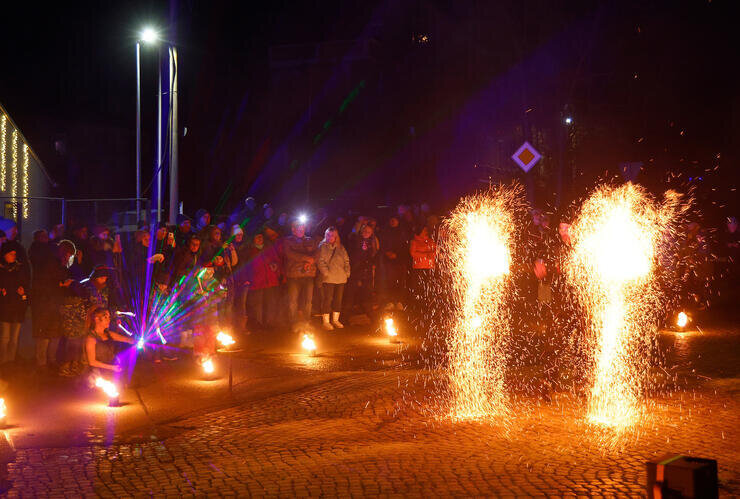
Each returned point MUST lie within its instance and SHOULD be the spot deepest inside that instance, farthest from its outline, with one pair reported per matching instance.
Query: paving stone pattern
(364, 435)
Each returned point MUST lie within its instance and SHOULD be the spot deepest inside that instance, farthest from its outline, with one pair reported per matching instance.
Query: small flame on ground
(682, 319)
(208, 366)
(225, 339)
(308, 343)
(108, 387)
(390, 327)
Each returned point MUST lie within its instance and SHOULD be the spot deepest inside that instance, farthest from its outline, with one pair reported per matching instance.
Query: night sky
(410, 120)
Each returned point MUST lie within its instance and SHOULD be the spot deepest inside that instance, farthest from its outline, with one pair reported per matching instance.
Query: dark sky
(636, 74)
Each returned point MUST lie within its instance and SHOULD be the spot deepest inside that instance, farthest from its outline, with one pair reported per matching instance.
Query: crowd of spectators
(254, 271)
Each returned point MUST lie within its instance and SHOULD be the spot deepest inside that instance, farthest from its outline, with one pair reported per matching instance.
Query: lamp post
(148, 36)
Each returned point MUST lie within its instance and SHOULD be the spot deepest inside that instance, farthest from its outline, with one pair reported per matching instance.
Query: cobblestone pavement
(364, 434)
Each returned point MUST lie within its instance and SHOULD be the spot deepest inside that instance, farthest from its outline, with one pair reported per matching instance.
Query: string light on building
(25, 181)
(3, 149)
(14, 171)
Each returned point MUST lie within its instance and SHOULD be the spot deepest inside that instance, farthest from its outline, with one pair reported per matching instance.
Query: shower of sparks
(618, 238)
(476, 251)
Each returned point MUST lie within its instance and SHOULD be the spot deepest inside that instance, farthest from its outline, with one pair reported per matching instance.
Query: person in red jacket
(423, 251)
(262, 271)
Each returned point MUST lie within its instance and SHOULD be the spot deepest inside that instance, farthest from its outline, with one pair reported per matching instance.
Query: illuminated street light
(148, 35)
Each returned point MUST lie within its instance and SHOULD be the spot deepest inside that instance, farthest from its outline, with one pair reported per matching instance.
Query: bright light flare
(108, 387)
(208, 366)
(303, 218)
(682, 320)
(149, 35)
(3, 410)
(617, 239)
(140, 344)
(475, 251)
(127, 314)
(161, 336)
(225, 339)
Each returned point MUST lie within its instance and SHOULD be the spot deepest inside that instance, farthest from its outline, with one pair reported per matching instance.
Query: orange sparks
(617, 239)
(476, 252)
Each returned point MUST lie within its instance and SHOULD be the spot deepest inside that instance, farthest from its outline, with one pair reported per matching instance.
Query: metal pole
(174, 201)
(158, 163)
(138, 131)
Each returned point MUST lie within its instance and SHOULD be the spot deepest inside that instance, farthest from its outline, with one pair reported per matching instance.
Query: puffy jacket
(257, 269)
(423, 250)
(333, 263)
(297, 251)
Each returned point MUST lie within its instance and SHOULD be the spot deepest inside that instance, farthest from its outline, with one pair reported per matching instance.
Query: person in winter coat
(423, 252)
(214, 245)
(164, 244)
(394, 263)
(262, 272)
(334, 270)
(207, 299)
(186, 259)
(14, 287)
(11, 232)
(51, 280)
(241, 285)
(283, 227)
(363, 255)
(300, 270)
(183, 231)
(202, 221)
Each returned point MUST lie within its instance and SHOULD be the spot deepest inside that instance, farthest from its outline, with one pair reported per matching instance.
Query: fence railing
(123, 214)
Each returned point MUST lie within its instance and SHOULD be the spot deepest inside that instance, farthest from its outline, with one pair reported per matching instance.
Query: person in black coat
(14, 284)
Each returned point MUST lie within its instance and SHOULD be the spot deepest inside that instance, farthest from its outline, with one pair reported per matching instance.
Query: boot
(335, 320)
(326, 323)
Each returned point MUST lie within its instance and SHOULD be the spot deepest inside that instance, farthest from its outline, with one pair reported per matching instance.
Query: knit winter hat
(181, 219)
(200, 213)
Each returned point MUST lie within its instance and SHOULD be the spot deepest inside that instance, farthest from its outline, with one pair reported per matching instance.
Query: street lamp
(148, 36)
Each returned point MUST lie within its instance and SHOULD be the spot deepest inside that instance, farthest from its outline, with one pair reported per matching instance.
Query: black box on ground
(675, 476)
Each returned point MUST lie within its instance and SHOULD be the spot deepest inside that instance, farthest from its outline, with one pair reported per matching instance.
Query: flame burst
(618, 237)
(476, 253)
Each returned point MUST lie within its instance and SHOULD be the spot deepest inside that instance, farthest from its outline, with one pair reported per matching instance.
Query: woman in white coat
(333, 266)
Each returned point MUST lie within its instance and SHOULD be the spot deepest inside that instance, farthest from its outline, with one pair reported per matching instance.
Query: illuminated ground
(348, 422)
